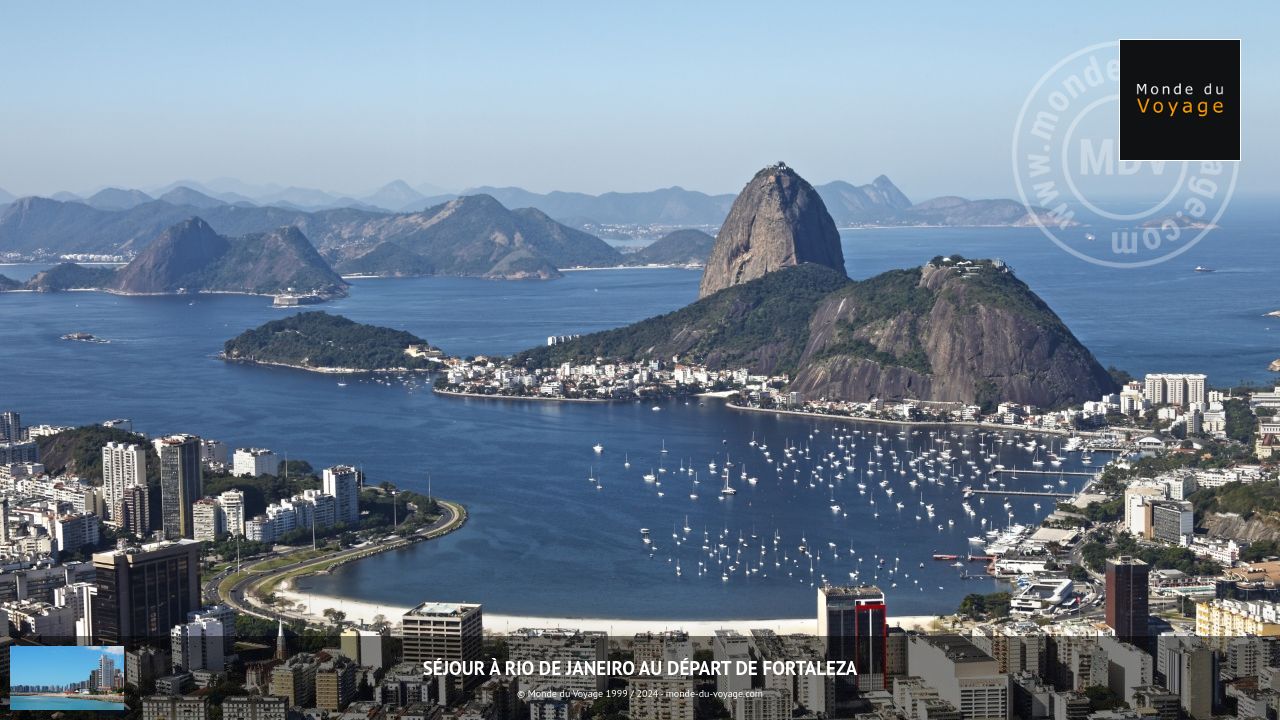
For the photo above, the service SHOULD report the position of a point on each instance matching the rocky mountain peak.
(777, 221)
(889, 193)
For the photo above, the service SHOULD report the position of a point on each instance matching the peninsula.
(776, 302)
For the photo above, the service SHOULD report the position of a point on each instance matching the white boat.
(598, 448)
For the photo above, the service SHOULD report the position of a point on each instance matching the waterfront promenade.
(243, 589)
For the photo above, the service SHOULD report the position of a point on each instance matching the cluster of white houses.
(595, 380)
(337, 502)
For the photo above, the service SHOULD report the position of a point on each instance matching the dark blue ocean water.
(542, 540)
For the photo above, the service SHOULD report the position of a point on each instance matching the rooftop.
(869, 592)
(956, 648)
(443, 609)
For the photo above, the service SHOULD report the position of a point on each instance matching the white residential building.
(342, 482)
(73, 532)
(199, 645)
(207, 519)
(124, 465)
(231, 503)
(1181, 389)
(252, 462)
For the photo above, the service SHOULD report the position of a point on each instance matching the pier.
(1055, 473)
(1027, 493)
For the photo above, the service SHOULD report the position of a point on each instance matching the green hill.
(318, 340)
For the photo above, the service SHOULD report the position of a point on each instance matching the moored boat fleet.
(910, 480)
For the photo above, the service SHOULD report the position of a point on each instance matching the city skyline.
(59, 665)
(593, 101)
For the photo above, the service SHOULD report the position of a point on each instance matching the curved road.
(236, 595)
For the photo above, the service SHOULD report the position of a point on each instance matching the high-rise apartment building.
(181, 483)
(144, 591)
(124, 465)
(206, 520)
(11, 426)
(1181, 389)
(232, 504)
(442, 631)
(853, 621)
(341, 481)
(199, 645)
(1127, 611)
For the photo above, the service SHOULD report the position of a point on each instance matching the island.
(85, 337)
(319, 342)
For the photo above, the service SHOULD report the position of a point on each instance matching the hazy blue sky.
(58, 665)
(572, 96)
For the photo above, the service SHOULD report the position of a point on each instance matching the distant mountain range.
(470, 236)
(877, 203)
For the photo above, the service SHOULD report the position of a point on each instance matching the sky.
(60, 665)
(589, 97)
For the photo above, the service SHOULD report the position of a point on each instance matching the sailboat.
(727, 489)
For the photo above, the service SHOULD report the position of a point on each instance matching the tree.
(976, 606)
(1103, 698)
(610, 708)
(335, 616)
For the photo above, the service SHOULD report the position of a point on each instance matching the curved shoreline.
(239, 594)
(322, 370)
(539, 398)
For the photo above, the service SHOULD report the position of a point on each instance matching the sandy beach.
(359, 611)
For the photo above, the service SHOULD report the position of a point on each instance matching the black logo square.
(1179, 99)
